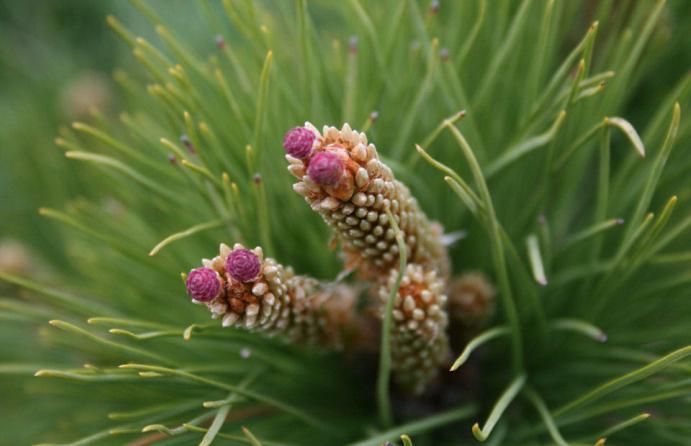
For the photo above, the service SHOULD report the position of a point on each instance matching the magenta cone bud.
(203, 284)
(325, 168)
(243, 265)
(298, 142)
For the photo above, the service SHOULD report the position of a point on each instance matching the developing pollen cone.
(471, 300)
(245, 290)
(419, 344)
(342, 178)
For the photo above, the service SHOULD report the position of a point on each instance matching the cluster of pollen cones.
(341, 177)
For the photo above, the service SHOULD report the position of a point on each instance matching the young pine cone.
(245, 290)
(342, 178)
(419, 344)
(471, 300)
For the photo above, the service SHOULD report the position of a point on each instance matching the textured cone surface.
(355, 204)
(278, 302)
(419, 343)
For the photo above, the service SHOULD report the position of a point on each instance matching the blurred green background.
(57, 60)
(56, 65)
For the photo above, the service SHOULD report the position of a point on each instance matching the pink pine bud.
(203, 284)
(298, 142)
(325, 168)
(243, 265)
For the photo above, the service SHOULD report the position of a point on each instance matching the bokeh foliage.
(559, 175)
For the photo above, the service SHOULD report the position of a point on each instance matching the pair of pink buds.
(204, 284)
(325, 168)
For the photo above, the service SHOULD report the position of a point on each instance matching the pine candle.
(342, 178)
(419, 343)
(251, 292)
